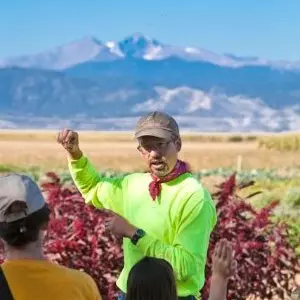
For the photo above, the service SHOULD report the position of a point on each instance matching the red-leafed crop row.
(267, 264)
(77, 238)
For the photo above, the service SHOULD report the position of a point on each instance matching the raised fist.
(70, 141)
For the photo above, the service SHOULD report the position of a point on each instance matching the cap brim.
(156, 132)
(19, 188)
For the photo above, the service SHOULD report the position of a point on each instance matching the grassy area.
(127, 136)
(105, 136)
(117, 151)
(282, 143)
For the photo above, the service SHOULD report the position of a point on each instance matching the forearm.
(100, 191)
(85, 177)
(184, 263)
(218, 288)
(188, 251)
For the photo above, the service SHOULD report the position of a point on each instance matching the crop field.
(117, 151)
(271, 202)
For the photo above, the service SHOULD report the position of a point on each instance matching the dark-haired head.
(20, 233)
(23, 211)
(151, 279)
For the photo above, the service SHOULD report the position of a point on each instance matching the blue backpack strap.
(5, 292)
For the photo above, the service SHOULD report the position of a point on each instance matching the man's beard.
(159, 168)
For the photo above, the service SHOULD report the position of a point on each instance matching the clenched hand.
(70, 141)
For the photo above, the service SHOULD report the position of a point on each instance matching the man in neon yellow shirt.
(165, 213)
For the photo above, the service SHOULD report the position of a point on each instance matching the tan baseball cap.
(19, 188)
(158, 124)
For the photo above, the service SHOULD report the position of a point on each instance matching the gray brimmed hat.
(157, 124)
(19, 188)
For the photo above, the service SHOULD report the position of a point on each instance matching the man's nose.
(155, 153)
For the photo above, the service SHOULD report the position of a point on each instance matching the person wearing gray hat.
(26, 273)
(164, 213)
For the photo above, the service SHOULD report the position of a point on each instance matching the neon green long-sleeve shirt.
(178, 223)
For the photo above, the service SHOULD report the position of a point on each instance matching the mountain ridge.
(137, 45)
(94, 84)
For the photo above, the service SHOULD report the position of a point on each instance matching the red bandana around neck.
(155, 185)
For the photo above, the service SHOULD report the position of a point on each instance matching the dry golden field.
(117, 151)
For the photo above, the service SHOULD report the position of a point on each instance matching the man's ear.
(178, 144)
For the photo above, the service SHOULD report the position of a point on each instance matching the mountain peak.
(138, 37)
(138, 45)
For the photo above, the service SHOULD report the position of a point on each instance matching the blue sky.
(265, 28)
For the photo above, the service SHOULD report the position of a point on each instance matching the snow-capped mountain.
(142, 47)
(90, 49)
(93, 84)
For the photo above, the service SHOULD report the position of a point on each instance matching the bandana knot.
(155, 185)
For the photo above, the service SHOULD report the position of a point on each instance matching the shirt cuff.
(144, 243)
(79, 163)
